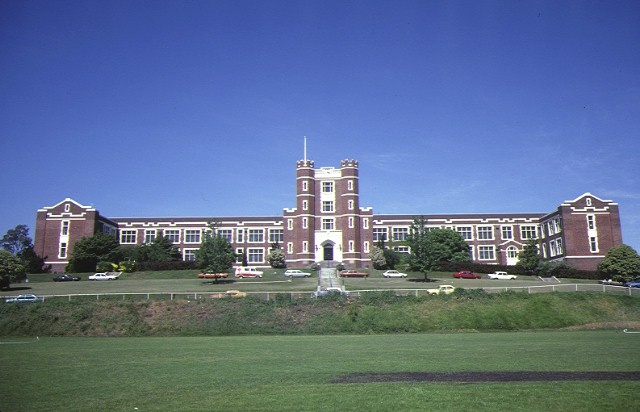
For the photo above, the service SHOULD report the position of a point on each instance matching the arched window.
(512, 252)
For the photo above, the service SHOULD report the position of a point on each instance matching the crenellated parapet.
(349, 163)
(305, 163)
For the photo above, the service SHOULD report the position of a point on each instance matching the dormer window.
(67, 207)
(588, 201)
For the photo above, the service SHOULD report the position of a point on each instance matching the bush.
(104, 266)
(175, 265)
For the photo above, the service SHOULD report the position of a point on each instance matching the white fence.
(195, 296)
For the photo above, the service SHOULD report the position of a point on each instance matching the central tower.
(327, 224)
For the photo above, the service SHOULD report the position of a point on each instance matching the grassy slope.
(293, 372)
(373, 312)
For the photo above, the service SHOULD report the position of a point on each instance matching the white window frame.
(62, 251)
(377, 231)
(128, 236)
(593, 244)
(192, 236)
(255, 236)
(349, 184)
(591, 222)
(352, 245)
(506, 232)
(328, 206)
(351, 222)
(305, 246)
(305, 205)
(486, 252)
(466, 232)
(64, 228)
(400, 234)
(366, 246)
(226, 234)
(365, 223)
(172, 234)
(255, 255)
(305, 186)
(485, 232)
(189, 255)
(289, 224)
(526, 232)
(290, 247)
(150, 235)
(350, 204)
(328, 223)
(512, 252)
(327, 186)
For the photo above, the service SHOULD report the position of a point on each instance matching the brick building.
(329, 224)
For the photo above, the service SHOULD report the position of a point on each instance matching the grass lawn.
(295, 372)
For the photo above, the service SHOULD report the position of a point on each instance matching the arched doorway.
(327, 251)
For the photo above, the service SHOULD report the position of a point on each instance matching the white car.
(501, 276)
(103, 276)
(295, 273)
(248, 272)
(394, 274)
(28, 298)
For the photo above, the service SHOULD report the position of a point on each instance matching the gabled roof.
(587, 194)
(67, 200)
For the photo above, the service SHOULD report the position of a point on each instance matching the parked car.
(329, 291)
(394, 274)
(353, 274)
(221, 275)
(501, 276)
(633, 283)
(66, 278)
(465, 274)
(248, 272)
(236, 294)
(27, 298)
(441, 290)
(295, 273)
(103, 276)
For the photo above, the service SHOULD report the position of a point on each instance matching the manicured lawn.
(295, 372)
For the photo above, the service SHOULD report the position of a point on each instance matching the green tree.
(430, 246)
(215, 254)
(621, 263)
(529, 258)
(276, 257)
(377, 258)
(11, 269)
(161, 249)
(16, 240)
(88, 251)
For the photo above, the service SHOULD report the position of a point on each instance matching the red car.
(465, 274)
(353, 274)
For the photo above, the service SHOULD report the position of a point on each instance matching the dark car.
(633, 283)
(66, 278)
(465, 274)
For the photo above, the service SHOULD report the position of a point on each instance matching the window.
(290, 224)
(226, 234)
(240, 236)
(588, 201)
(276, 235)
(67, 207)
(327, 187)
(63, 250)
(305, 246)
(486, 252)
(189, 255)
(64, 231)
(305, 185)
(305, 205)
(350, 204)
(350, 185)
(401, 249)
(239, 255)
(507, 232)
(149, 236)
(304, 223)
(128, 236)
(192, 236)
(328, 224)
(400, 233)
(365, 223)
(352, 245)
(465, 232)
(327, 206)
(351, 223)
(172, 235)
(512, 252)
(255, 255)
(379, 234)
(366, 247)
(485, 232)
(256, 235)
(559, 249)
(528, 232)
(290, 248)
(593, 243)
(591, 221)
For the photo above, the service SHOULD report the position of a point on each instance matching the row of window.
(329, 206)
(329, 223)
(130, 236)
(482, 232)
(328, 186)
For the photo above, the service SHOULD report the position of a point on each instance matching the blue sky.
(199, 108)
